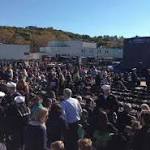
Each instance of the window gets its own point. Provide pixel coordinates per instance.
(99, 51)
(106, 51)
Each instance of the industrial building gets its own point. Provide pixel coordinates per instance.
(81, 49)
(136, 52)
(14, 52)
(109, 53)
(61, 48)
(70, 48)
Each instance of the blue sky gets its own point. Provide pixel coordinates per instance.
(93, 17)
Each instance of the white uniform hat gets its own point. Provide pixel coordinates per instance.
(133, 69)
(105, 87)
(11, 85)
(2, 94)
(19, 99)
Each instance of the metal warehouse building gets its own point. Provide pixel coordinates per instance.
(16, 52)
(81, 49)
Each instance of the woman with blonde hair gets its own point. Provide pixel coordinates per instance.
(35, 133)
(57, 145)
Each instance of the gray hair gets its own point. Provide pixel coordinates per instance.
(67, 92)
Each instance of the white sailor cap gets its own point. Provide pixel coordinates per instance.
(2, 94)
(105, 87)
(133, 69)
(11, 85)
(19, 99)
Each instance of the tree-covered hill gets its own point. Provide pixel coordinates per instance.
(38, 37)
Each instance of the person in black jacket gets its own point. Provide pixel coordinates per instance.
(56, 124)
(141, 139)
(103, 131)
(12, 121)
(106, 99)
(35, 136)
(108, 103)
(124, 118)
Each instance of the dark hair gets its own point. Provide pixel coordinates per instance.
(56, 109)
(102, 120)
(112, 103)
(52, 94)
(145, 115)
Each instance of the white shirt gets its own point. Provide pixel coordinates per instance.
(72, 110)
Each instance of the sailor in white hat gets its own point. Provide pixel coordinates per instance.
(11, 90)
(11, 87)
(2, 94)
(19, 99)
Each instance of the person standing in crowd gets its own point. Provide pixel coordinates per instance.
(35, 136)
(37, 103)
(53, 82)
(134, 78)
(23, 88)
(24, 73)
(68, 80)
(124, 117)
(103, 131)
(72, 112)
(56, 124)
(9, 73)
(17, 114)
(11, 93)
(52, 96)
(105, 78)
(98, 79)
(105, 98)
(61, 82)
(107, 102)
(141, 139)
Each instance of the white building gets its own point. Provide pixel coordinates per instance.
(81, 49)
(71, 43)
(68, 48)
(15, 52)
(109, 53)
(63, 48)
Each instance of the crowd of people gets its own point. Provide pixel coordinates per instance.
(53, 106)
